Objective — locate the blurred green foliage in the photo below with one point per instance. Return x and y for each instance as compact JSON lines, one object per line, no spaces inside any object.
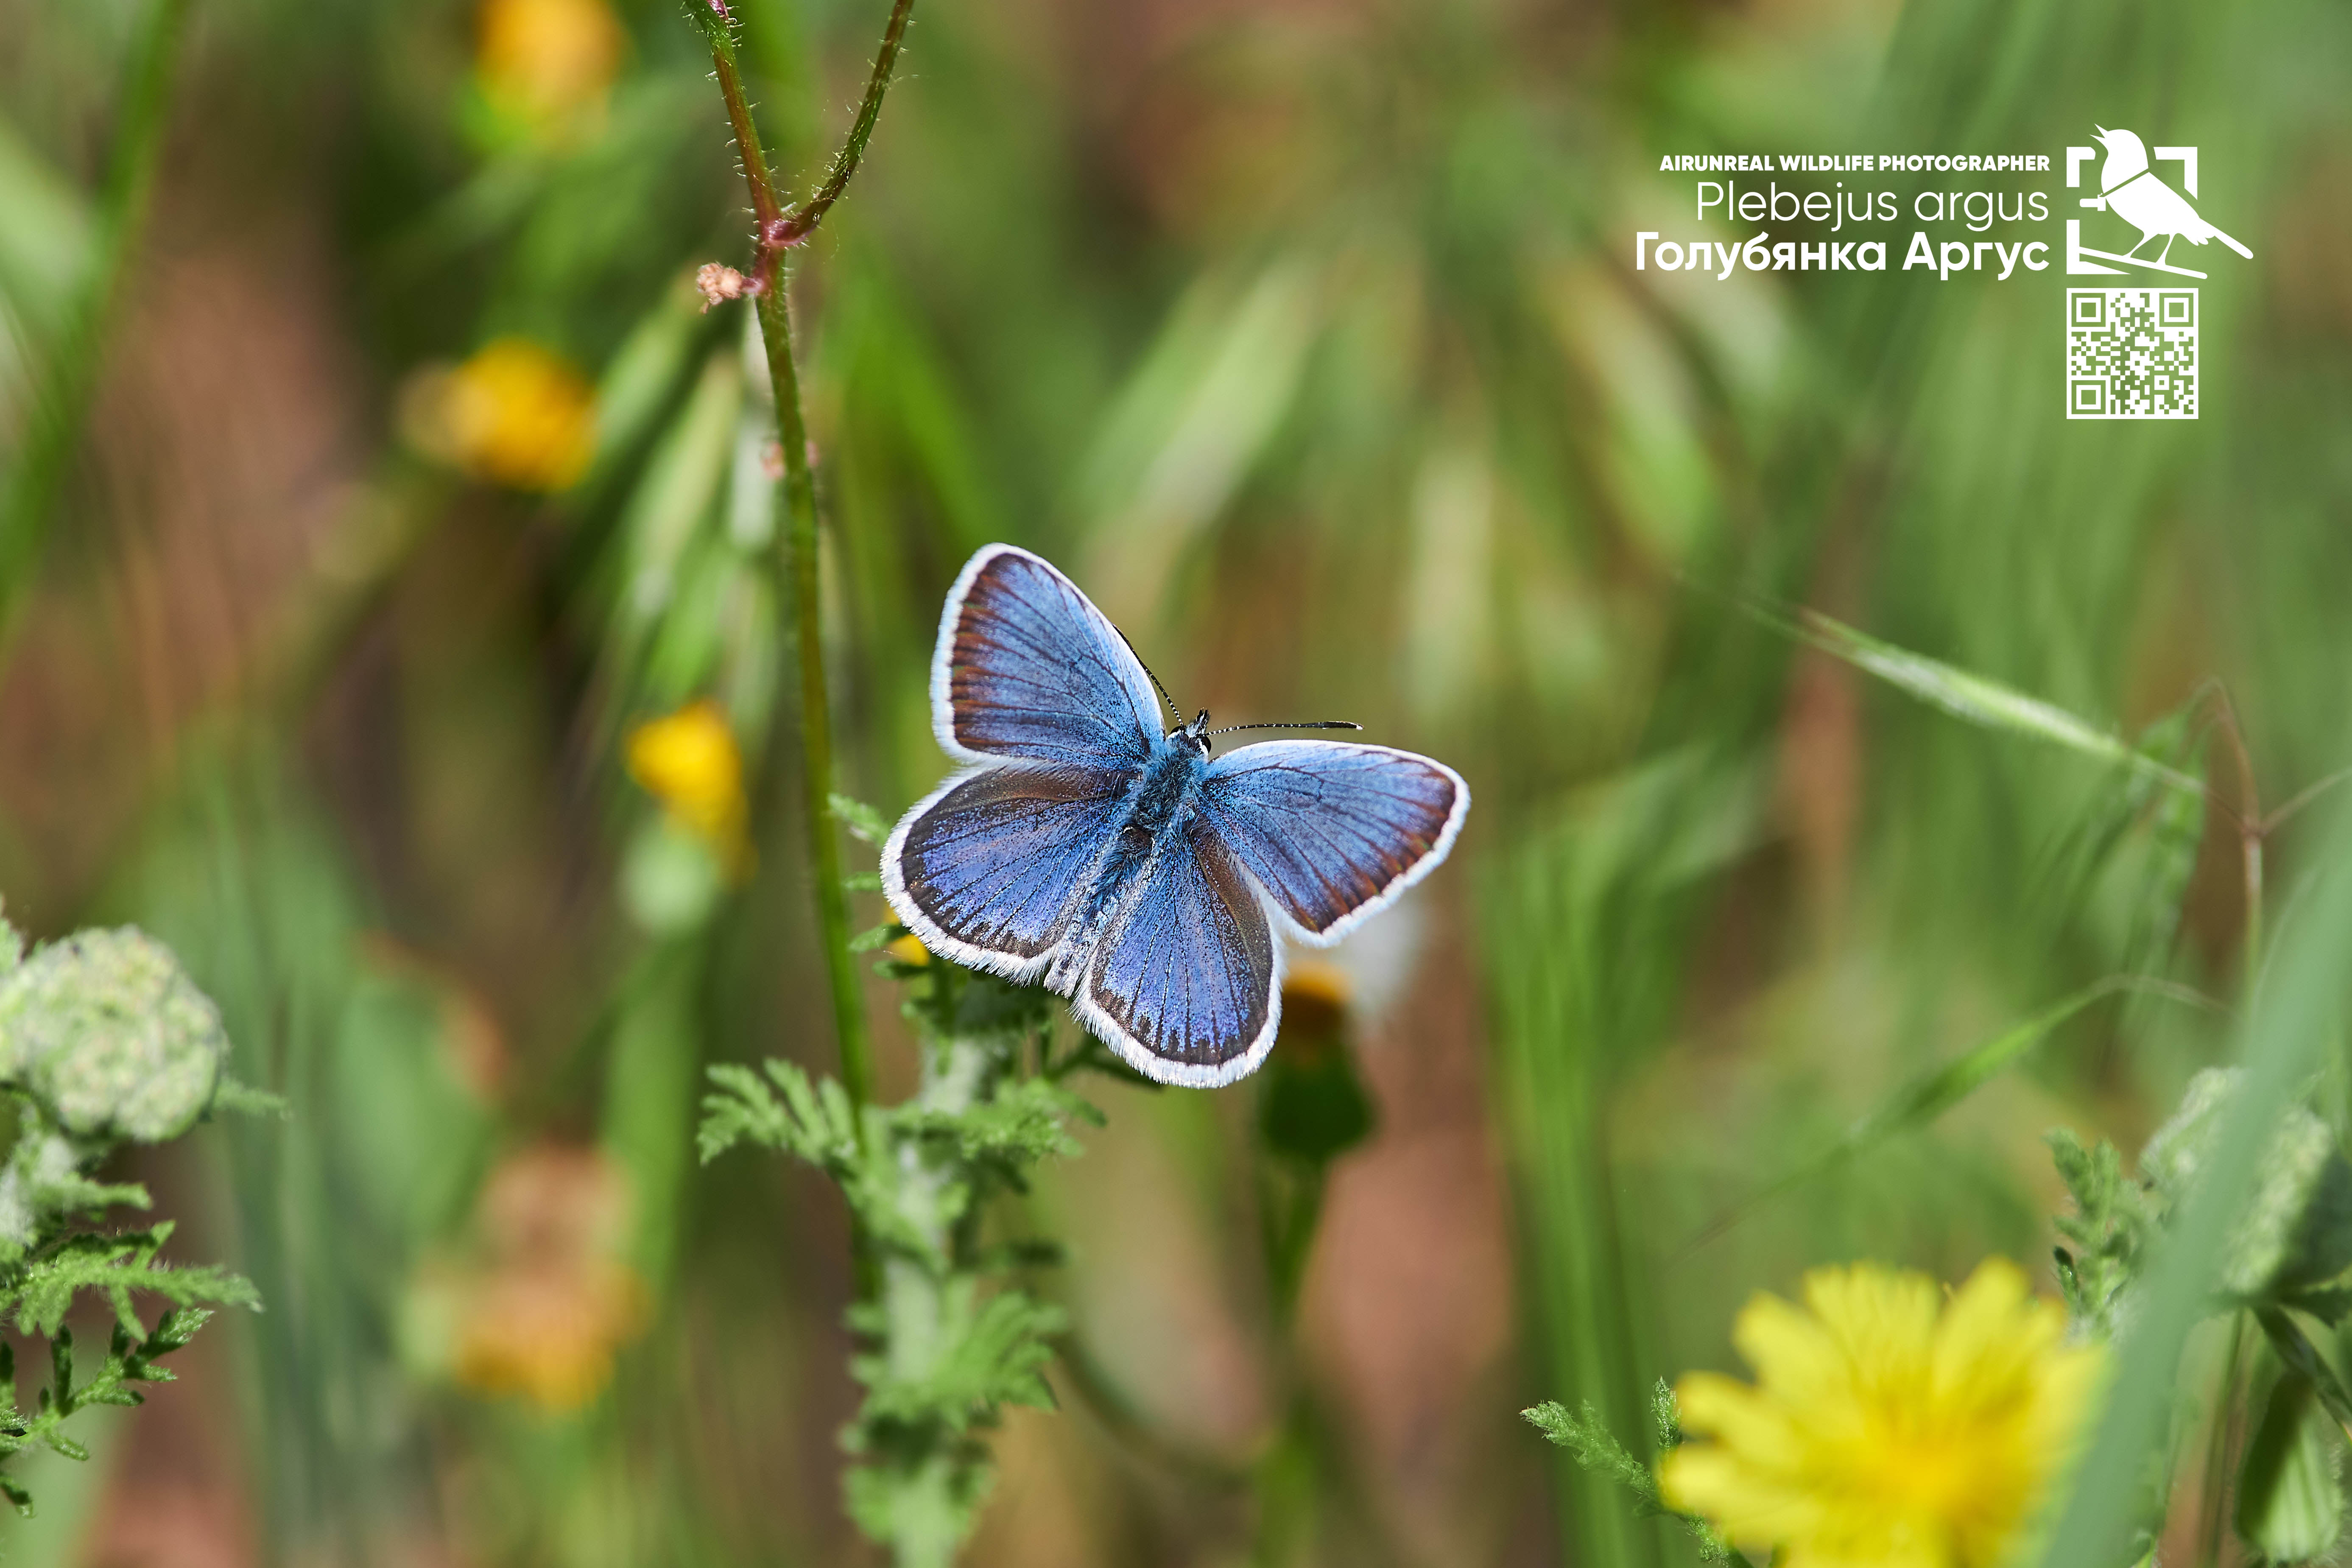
{"x":1305,"y":336}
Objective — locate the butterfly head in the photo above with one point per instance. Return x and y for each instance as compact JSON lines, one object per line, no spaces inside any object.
{"x":1197,"y":732}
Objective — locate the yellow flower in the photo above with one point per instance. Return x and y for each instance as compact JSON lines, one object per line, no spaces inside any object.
{"x":1882,"y":1432}
{"x":547,"y":1317}
{"x":514,"y":415}
{"x":549,"y":64}
{"x":1315,"y":996}
{"x":549,"y":1337}
{"x":908,"y":949}
{"x":689,"y":762}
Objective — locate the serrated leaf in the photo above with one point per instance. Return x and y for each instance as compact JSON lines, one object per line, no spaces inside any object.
{"x":1589,"y":1441}
{"x":873,"y":937}
{"x":1665,"y":1417}
{"x":246,"y":1100}
{"x":118,"y":1265}
{"x":863,"y":821}
{"x":175,"y":1330}
{"x":785,"y":1112}
{"x":742,"y":1110}
{"x":2111,"y":1228}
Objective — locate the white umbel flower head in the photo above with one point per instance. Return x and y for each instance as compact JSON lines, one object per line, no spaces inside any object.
{"x":107,"y":1033}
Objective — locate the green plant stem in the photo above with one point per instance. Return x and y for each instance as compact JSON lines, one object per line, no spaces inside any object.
{"x":1286,"y":1475}
{"x":60,"y":407}
{"x":776,"y":231}
{"x":803,"y":221}
{"x":2213,"y":1510}
{"x":2253,"y":864}
{"x":815,"y":709}
{"x":919,"y":1339}
{"x":2251,"y":828}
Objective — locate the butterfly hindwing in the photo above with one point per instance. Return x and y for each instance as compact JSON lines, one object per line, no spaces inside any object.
{"x":1185,"y":984}
{"x":1333,"y":831}
{"x":1027,"y":668}
{"x":989,"y":870}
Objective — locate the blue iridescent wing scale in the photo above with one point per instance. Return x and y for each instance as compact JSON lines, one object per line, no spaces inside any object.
{"x":988,"y":869}
{"x":1186,"y":984}
{"x":1333,"y":832}
{"x":1027,"y":669}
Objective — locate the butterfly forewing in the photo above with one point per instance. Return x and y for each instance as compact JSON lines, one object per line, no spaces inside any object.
{"x":990,"y":870}
{"x":1333,"y":831}
{"x":1027,"y":668}
{"x":1183,"y":983}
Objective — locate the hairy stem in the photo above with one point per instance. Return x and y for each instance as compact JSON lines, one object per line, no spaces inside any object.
{"x":61,"y":406}
{"x":804,"y":218}
{"x":798,"y":536}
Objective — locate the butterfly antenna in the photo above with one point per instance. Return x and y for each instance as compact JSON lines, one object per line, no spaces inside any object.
{"x":1173,"y":712}
{"x":1301,"y":724}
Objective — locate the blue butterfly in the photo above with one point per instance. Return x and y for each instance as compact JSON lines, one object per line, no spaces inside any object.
{"x":1084,"y":847}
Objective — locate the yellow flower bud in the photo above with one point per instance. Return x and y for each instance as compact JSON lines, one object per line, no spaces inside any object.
{"x":689,"y":760}
{"x":548,"y":65}
{"x":514,"y":415}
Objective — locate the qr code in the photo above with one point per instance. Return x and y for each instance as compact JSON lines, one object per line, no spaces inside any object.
{"x":2131,"y":354}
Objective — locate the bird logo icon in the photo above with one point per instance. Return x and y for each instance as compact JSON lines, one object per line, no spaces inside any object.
{"x":2130,"y":188}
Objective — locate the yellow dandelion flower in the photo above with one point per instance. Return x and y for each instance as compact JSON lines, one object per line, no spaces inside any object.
{"x":1888,"y":1428}
{"x":548,"y":65}
{"x":908,"y":949}
{"x":689,"y":760}
{"x":513,"y":415}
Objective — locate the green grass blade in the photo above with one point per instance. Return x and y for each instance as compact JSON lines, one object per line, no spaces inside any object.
{"x":1929,"y":1095}
{"x":1973,"y":698}
{"x":46,"y":231}
{"x":61,"y":400}
{"x":1932,"y":1093}
{"x":2285,"y":1038}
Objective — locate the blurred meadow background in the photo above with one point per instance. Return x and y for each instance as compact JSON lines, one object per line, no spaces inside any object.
{"x":371,"y":478}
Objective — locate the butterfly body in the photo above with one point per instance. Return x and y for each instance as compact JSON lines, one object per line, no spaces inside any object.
{"x":1121,"y":865}
{"x":1164,"y":795}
